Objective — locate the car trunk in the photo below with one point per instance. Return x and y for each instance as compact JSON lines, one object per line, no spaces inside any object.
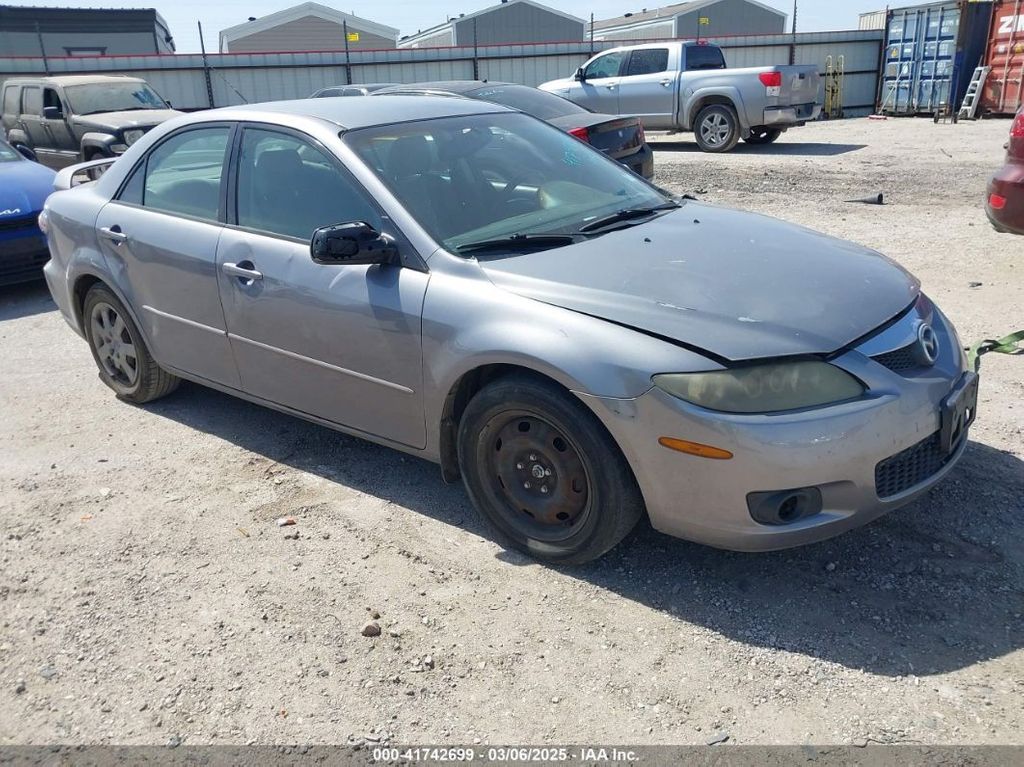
{"x":615,"y":136}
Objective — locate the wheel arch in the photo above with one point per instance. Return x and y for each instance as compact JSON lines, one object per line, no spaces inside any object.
{"x":726,"y":97}
{"x":458,"y":397}
{"x":80,"y":287}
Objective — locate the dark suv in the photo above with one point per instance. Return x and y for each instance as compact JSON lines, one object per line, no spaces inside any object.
{"x":63,"y":120}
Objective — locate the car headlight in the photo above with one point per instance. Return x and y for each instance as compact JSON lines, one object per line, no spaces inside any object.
{"x":763,"y":388}
{"x":131,"y":136}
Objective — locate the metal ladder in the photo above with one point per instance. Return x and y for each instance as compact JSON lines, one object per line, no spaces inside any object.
{"x":969,"y":107}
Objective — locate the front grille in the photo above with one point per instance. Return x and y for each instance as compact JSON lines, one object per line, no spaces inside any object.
{"x":899,"y":360}
{"x":910,"y":467}
{"x":21,"y":222}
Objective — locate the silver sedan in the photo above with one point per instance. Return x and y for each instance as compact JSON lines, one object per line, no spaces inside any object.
{"x":465,"y":283}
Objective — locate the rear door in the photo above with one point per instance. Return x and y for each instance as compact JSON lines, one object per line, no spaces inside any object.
{"x":32,"y":122}
{"x":161,"y":233}
{"x":339,"y":342}
{"x":647,"y":86}
{"x":599,"y":90}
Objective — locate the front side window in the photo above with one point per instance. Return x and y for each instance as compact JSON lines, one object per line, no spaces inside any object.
{"x":288,"y":187}
{"x":605,"y":66}
{"x":482,"y":177}
{"x":51,"y":99}
{"x":112,"y":97}
{"x":647,"y":61}
{"x":182,"y":175}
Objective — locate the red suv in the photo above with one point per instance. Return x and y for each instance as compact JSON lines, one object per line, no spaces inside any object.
{"x":1005,"y":206}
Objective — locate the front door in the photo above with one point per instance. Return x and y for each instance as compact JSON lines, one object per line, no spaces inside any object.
{"x":65,"y":147}
{"x":598,"y":91}
{"x":647,"y":87}
{"x":162,"y":232}
{"x":340,"y":343}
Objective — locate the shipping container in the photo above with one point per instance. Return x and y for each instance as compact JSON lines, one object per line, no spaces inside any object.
{"x":1001,"y":94}
{"x":873,"y":20}
{"x":930,"y":53}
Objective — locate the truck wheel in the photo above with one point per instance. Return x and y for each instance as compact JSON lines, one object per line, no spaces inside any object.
{"x":763,"y":135}
{"x":717,"y":128}
{"x":95,"y":153}
{"x":543,"y":472}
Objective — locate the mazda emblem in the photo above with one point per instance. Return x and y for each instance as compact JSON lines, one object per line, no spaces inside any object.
{"x":927,"y":344}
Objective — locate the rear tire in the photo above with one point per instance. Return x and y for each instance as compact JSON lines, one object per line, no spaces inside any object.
{"x":125,"y":363}
{"x":544,"y":473}
{"x":717,"y":129}
{"x":763,"y":136}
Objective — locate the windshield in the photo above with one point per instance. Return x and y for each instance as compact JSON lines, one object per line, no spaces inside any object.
{"x":112,"y":97}
{"x":8,"y":153}
{"x":485,"y":177}
{"x":534,"y":102}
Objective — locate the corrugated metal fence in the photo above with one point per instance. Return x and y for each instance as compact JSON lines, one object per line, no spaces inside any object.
{"x":186,"y":80}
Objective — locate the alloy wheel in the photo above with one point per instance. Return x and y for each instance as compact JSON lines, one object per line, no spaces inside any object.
{"x":715,"y":129}
{"x":113,"y":343}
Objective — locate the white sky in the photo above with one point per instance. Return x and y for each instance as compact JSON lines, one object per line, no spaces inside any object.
{"x":410,"y":15}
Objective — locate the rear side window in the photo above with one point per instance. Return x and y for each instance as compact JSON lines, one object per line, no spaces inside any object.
{"x":647,"y":61}
{"x":11,"y":99}
{"x":32,"y":101}
{"x":704,"y":57}
{"x":182,"y":175}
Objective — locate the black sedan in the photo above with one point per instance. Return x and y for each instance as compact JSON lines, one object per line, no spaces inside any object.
{"x":621,"y":138}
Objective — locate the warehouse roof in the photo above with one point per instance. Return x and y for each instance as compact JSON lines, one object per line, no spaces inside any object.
{"x":668,"y":12}
{"x":296,"y":12}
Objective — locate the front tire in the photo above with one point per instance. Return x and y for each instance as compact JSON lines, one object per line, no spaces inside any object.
{"x":717,"y":128}
{"x":544,"y":473}
{"x":125,"y":363}
{"x":763,"y":136}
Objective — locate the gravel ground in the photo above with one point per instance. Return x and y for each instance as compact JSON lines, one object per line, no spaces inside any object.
{"x":146,"y":595}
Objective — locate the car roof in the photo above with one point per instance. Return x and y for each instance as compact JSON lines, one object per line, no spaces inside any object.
{"x":445,"y":86}
{"x":359,"y":112}
{"x":66,"y":80}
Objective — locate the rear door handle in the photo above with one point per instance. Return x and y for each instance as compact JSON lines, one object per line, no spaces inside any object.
{"x":244,"y":273}
{"x":113,"y":233}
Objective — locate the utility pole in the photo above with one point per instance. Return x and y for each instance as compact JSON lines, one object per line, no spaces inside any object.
{"x":42,"y":50}
{"x":206,"y":66}
{"x":792,"y":47}
{"x":348,"y":56}
{"x":591,"y":34}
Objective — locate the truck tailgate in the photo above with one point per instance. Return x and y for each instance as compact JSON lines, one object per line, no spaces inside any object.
{"x":799,"y":85}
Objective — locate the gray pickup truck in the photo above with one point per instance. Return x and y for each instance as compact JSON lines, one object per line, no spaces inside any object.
{"x":63,"y":120}
{"x":685,"y":86}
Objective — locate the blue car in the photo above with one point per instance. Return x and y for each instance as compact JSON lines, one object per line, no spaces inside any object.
{"x":24,"y":187}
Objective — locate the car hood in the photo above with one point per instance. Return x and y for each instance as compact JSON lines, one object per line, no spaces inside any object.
{"x":24,"y":187}
{"x":738,"y":285}
{"x":133,"y":118}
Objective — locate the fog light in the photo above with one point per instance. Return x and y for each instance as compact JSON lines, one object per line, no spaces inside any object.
{"x":782,"y":507}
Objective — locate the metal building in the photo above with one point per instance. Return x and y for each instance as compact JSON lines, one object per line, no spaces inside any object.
{"x":306,"y":27}
{"x":697,"y":18}
{"x":32,"y":31}
{"x":508,"y":23}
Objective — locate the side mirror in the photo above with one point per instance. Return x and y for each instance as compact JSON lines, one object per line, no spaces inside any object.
{"x":580,"y":75}
{"x":353,"y":243}
{"x":52,"y":113}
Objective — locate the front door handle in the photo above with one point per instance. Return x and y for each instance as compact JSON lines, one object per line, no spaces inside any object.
{"x":666,"y":82}
{"x":243,"y":271}
{"x":113,"y":233}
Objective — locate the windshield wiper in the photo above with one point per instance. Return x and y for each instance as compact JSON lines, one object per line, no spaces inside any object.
{"x":627,"y":214}
{"x":518,"y":242}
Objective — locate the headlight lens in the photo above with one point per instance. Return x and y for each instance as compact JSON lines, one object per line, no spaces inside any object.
{"x":131,"y":136}
{"x":763,"y":388}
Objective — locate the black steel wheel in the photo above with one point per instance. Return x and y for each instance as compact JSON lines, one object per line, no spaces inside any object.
{"x":543,"y":471}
